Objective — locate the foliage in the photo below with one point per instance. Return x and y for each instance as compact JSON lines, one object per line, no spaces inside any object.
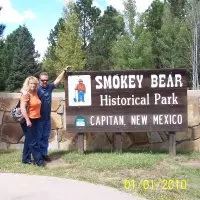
{"x":2,"y":85}
{"x":23,"y":63}
{"x":177,"y":8}
{"x":132,"y":54}
{"x":108,"y":28}
{"x":174,"y":41}
{"x":134,"y":49}
{"x":129,"y":15}
{"x":8,"y":54}
{"x":2,"y":28}
{"x":50,"y":57}
{"x":88,"y":16}
{"x":153,"y":20}
{"x":68,"y":49}
{"x":193,"y":18}
{"x":165,"y":35}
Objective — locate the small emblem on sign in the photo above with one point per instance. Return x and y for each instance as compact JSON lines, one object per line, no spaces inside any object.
{"x":80,"y":121}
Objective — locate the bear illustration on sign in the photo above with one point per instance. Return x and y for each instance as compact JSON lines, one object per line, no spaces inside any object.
{"x":79,"y":90}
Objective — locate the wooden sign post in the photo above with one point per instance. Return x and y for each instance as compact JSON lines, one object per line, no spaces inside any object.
{"x":172,"y":143}
{"x":117,"y":142}
{"x":126,"y":101}
{"x":80,"y":142}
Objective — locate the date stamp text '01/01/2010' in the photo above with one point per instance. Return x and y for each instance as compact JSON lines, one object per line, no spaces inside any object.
{"x":154,"y":184}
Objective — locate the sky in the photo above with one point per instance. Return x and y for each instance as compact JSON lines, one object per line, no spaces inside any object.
{"x":40,"y":16}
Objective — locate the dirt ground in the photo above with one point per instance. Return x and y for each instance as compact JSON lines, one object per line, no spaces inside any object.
{"x":194,"y":164}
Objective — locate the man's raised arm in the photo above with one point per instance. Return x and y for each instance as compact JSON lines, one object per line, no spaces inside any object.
{"x":61,"y":75}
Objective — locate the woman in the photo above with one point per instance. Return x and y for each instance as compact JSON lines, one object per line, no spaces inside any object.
{"x":30,"y":105}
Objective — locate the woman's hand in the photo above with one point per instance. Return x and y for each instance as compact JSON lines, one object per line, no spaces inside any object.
{"x":28,"y":123}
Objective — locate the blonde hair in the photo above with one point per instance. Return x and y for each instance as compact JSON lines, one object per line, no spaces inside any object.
{"x":27,"y":81}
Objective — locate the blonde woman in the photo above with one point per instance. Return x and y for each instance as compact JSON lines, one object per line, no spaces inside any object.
{"x":29,"y":99}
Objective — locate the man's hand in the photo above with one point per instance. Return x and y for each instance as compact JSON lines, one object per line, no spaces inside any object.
{"x":67,"y":68}
{"x":61,"y":75}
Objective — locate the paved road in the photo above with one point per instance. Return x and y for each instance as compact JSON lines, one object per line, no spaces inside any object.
{"x":25,"y":187}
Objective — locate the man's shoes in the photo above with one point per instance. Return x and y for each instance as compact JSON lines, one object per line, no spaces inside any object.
{"x":27,"y":162}
{"x":47,"y":158}
{"x":41,"y":164}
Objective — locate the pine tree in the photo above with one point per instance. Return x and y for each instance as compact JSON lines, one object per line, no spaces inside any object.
{"x":8,"y":52}
{"x":134,"y":49}
{"x":130,"y":53}
{"x":129,"y":15}
{"x":69,"y":46}
{"x":2,"y":74}
{"x":2,"y":77}
{"x":153,"y":18}
{"x":2,"y":27}
{"x":88,"y":16}
{"x":106,"y":32}
{"x":50,"y":56}
{"x":193,"y":16}
{"x":177,"y":8}
{"x":24,"y":61}
{"x":174,"y":41}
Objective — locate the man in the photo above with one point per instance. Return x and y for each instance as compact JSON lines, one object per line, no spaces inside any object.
{"x":45,"y":94}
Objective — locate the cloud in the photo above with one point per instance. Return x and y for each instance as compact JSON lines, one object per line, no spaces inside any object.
{"x":68,"y":1}
{"x":41,"y":44}
{"x":9,"y":14}
{"x":141,"y":5}
{"x":98,"y":5}
{"x":117,"y":4}
{"x":28,"y":14}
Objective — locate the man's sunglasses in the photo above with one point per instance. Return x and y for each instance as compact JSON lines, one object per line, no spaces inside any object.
{"x":44,"y":80}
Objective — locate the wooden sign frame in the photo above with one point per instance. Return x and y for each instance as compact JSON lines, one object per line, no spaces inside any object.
{"x":126,"y":101}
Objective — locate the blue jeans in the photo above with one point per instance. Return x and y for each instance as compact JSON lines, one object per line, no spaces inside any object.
{"x":43,"y":139}
{"x":81,"y":96}
{"x":31,"y":145}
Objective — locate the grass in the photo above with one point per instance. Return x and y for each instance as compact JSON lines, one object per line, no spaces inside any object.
{"x":145,"y":173}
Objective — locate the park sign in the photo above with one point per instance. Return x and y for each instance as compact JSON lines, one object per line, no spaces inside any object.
{"x":126,"y":101}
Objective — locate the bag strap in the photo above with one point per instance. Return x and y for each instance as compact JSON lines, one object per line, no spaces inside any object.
{"x":18,"y":104}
